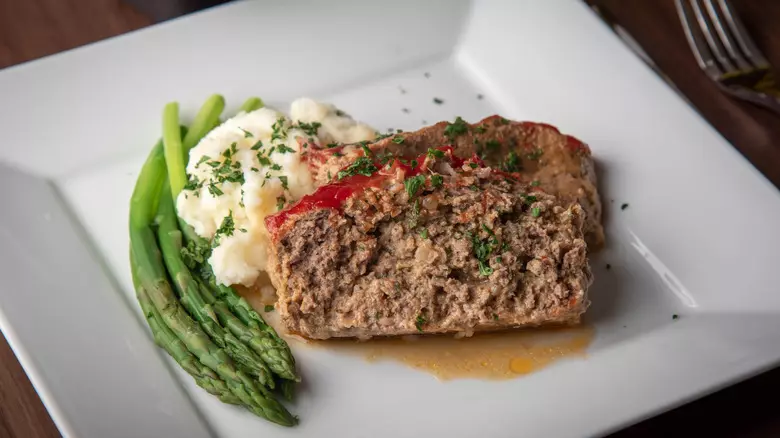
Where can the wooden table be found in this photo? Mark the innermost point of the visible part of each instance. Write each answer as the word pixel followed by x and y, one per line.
pixel 30 29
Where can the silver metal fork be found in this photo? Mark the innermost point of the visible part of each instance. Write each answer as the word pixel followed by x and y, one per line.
pixel 726 53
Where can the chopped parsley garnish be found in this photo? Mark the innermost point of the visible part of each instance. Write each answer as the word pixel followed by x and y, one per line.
pixel 254 169
pixel 483 248
pixel 480 129
pixel 535 154
pixel 330 177
pixel 530 199
pixel 236 177
pixel 283 179
pixel 437 101
pixel 503 121
pixel 413 164
pixel 435 153
pixel 474 188
pixel 202 160
pixel 536 211
pixel 257 145
pixel 332 145
pixel 398 139
pixel 227 227
pixel 268 308
pixel 492 144
pixel 340 113
pixel 419 322
pixel 424 233
pixel 362 166
pixel 280 201
pixel 413 184
pixel 473 165
pixel 458 127
pixel 193 183
pixel 283 148
pixel 214 163
pixel 278 133
pixel 247 134
pixel 309 128
pixel 366 150
pixel 214 190
pixel 338 154
pixel 535 183
pixel 265 161
pixel 437 180
pixel 276 167
pixel 495 317
pixel 512 163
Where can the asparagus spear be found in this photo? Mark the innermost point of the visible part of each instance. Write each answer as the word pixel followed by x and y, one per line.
pixel 174 153
pixel 189 293
pixel 166 339
pixel 203 123
pixel 255 332
pixel 273 350
pixel 152 277
pixel 251 104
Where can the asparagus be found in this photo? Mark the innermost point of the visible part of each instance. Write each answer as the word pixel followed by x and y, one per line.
pixel 251 104
pixel 166 339
pixel 151 275
pixel 203 123
pixel 174 153
pixel 254 331
pixel 274 351
pixel 189 292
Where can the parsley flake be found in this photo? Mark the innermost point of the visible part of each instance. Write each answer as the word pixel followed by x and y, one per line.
pixel 214 190
pixel 437 180
pixel 458 127
pixel 283 148
pixel 435 153
pixel 413 184
pixel 419 322
pixel 362 166
pixel 247 134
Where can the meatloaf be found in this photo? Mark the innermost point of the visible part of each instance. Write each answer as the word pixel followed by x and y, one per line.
pixel 432 245
pixel 538 153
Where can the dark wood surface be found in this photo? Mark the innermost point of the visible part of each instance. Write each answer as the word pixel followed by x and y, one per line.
pixel 30 29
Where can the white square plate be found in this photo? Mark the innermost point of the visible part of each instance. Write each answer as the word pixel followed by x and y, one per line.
pixel 699 238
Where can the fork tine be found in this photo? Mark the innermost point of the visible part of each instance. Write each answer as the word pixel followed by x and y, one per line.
pixel 714 44
pixel 725 38
pixel 698 46
pixel 742 36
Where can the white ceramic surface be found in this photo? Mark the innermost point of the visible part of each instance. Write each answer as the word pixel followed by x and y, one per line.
pixel 698 238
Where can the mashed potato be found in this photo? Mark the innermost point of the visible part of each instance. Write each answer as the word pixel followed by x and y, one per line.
pixel 250 167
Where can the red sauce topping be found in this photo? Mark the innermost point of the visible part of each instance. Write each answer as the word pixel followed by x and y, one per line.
pixel 334 194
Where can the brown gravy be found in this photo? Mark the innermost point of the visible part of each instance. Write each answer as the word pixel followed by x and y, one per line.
pixel 495 356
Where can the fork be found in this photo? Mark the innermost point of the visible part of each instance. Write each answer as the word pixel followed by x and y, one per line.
pixel 726 52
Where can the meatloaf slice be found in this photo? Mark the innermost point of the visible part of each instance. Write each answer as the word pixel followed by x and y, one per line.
pixel 537 152
pixel 433 245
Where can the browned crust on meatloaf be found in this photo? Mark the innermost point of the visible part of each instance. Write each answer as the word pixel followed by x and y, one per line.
pixel 386 265
pixel 560 163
